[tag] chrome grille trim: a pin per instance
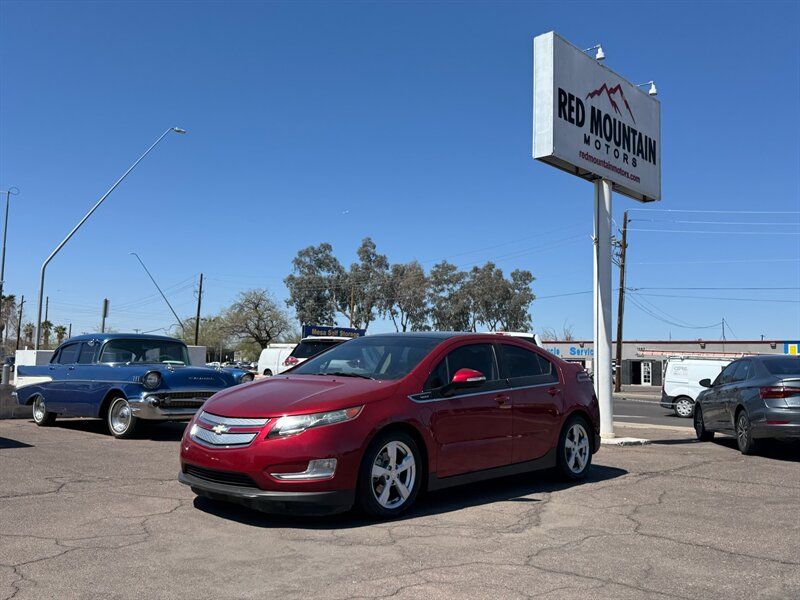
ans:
(232, 421)
(223, 439)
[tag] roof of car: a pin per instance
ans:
(119, 336)
(436, 335)
(771, 357)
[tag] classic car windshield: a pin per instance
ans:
(370, 357)
(144, 351)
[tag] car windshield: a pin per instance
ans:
(789, 365)
(145, 351)
(370, 357)
(308, 348)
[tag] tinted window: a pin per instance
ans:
(375, 357)
(479, 357)
(87, 353)
(312, 348)
(69, 354)
(744, 371)
(727, 374)
(438, 376)
(520, 363)
(786, 365)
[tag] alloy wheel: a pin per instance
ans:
(576, 448)
(394, 473)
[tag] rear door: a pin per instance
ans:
(472, 427)
(536, 398)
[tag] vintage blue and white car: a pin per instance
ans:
(122, 378)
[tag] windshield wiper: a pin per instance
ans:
(343, 374)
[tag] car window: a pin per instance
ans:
(479, 357)
(438, 376)
(525, 367)
(727, 374)
(311, 348)
(785, 365)
(743, 371)
(69, 354)
(87, 353)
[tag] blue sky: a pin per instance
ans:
(407, 122)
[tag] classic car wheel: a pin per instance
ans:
(40, 414)
(390, 475)
(684, 407)
(703, 434)
(120, 419)
(574, 450)
(744, 434)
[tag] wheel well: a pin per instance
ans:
(675, 401)
(412, 431)
(738, 410)
(267, 372)
(579, 412)
(107, 402)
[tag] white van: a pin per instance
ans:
(271, 360)
(681, 384)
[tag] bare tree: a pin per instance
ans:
(257, 317)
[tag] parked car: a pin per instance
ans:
(122, 378)
(681, 384)
(374, 421)
(753, 398)
(270, 361)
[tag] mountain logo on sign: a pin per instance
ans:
(611, 92)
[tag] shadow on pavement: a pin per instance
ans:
(785, 450)
(158, 432)
(8, 443)
(507, 489)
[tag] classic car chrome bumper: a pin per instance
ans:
(168, 405)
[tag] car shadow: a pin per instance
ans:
(171, 431)
(516, 488)
(8, 444)
(783, 450)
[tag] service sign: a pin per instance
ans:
(591, 122)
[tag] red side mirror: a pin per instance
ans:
(467, 377)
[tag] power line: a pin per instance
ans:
(684, 296)
(715, 222)
(636, 289)
(708, 231)
(720, 212)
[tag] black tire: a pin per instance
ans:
(370, 491)
(703, 434)
(41, 416)
(683, 407)
(267, 373)
(744, 433)
(119, 419)
(573, 463)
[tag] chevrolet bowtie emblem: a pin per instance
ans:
(219, 429)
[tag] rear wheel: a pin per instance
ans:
(120, 420)
(390, 476)
(703, 434)
(684, 407)
(574, 450)
(41, 416)
(744, 433)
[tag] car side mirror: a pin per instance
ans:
(706, 383)
(465, 378)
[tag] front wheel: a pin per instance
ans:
(41, 416)
(744, 434)
(120, 420)
(684, 407)
(390, 476)
(574, 450)
(703, 434)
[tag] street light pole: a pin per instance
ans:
(9, 192)
(81, 222)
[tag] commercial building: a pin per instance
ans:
(643, 360)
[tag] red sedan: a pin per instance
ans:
(377, 420)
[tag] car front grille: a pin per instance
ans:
(225, 432)
(223, 477)
(186, 395)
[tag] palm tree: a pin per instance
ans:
(61, 333)
(27, 331)
(47, 327)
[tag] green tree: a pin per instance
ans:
(516, 315)
(47, 327)
(358, 292)
(447, 298)
(405, 295)
(28, 330)
(61, 333)
(316, 275)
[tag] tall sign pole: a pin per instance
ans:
(594, 124)
(197, 318)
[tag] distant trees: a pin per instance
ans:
(255, 316)
(446, 299)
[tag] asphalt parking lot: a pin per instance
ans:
(83, 516)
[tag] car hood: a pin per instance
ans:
(187, 376)
(297, 394)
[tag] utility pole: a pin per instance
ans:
(197, 318)
(621, 302)
(723, 334)
(46, 308)
(105, 316)
(69, 334)
(19, 320)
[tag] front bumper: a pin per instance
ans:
(163, 406)
(276, 502)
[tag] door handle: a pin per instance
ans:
(503, 401)
(70, 368)
(553, 391)
(52, 368)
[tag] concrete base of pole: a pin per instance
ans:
(623, 441)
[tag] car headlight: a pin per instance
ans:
(151, 380)
(246, 378)
(294, 424)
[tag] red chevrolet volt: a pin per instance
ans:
(377, 420)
